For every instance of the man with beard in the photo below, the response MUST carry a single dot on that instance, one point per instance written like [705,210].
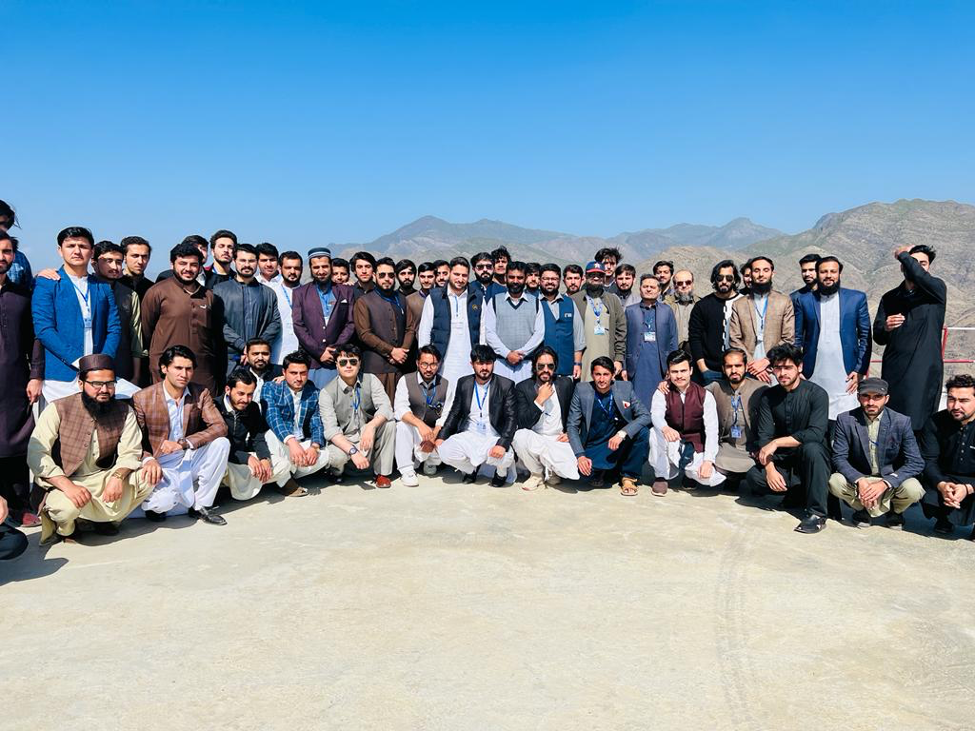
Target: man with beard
[481,421]
[623,285]
[419,408]
[663,273]
[451,321]
[484,268]
[737,400]
[130,355]
[762,320]
[572,278]
[947,445]
[250,309]
[181,311]
[563,323]
[500,265]
[809,275]
[406,274]
[604,326]
[322,315]
[709,322]
[909,323]
[651,337]
[385,328]
[363,268]
[284,286]
[608,258]
[682,300]
[441,273]
[20,271]
[876,459]
[259,364]
[248,461]
[137,252]
[85,453]
[340,271]
[425,281]
[791,421]
[184,440]
[833,328]
[222,245]
[532,279]
[543,407]
[513,325]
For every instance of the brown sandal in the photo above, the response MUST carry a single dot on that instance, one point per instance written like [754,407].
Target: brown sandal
[629,488]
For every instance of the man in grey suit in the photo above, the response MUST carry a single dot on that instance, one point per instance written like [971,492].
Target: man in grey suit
[357,419]
[608,428]
[876,459]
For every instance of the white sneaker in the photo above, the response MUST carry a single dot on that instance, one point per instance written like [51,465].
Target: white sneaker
[533,483]
[430,468]
[408,479]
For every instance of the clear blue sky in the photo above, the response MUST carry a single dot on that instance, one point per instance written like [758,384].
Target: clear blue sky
[338,122]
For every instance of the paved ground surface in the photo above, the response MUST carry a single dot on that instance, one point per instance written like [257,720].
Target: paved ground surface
[467,607]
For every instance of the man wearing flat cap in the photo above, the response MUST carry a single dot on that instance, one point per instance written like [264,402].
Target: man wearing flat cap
[85,452]
[876,459]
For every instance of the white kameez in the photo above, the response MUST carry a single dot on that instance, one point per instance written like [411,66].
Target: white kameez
[665,456]
[468,450]
[538,448]
[829,366]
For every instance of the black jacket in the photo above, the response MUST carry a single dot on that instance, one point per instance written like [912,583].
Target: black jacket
[502,408]
[528,412]
[245,431]
[707,325]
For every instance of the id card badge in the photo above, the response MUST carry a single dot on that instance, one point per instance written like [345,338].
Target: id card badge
[599,329]
[650,337]
[481,428]
[87,322]
[736,432]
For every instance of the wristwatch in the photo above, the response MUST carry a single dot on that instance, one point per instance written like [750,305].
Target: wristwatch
[353,450]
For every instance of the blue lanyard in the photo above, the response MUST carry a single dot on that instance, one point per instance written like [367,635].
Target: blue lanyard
[288,297]
[479,399]
[607,407]
[763,315]
[737,403]
[598,308]
[650,322]
[392,300]
[430,393]
[456,299]
[84,295]
[356,398]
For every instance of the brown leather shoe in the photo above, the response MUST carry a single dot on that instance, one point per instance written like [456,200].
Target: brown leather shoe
[292,489]
[382,481]
[659,488]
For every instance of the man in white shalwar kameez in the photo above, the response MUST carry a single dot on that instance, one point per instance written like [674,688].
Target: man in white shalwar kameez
[451,322]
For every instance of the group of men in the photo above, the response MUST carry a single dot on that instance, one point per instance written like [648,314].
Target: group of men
[126,395]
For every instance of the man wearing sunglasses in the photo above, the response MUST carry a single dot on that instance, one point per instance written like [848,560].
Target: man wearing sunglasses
[709,322]
[682,299]
[484,283]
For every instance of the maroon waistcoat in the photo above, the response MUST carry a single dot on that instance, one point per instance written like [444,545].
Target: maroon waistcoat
[686,418]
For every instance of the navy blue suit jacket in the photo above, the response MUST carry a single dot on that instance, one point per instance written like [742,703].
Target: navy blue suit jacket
[897,452]
[856,329]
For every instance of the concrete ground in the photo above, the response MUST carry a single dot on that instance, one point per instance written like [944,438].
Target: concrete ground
[451,606]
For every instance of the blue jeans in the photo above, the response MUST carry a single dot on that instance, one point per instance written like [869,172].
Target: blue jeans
[706,377]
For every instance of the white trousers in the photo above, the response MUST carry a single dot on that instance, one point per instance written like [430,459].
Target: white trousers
[514,373]
[664,457]
[282,467]
[407,449]
[545,455]
[190,478]
[242,483]
[466,451]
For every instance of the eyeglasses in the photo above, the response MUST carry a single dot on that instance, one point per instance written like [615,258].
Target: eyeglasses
[545,367]
[725,278]
[100,385]
[343,362]
[385,275]
[683,284]
[483,266]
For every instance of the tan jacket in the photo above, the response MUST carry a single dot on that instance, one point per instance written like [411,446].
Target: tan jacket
[779,323]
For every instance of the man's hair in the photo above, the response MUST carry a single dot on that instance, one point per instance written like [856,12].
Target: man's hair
[481,256]
[624,268]
[822,259]
[348,349]
[405,264]
[735,351]
[645,277]
[745,267]
[515,266]
[961,380]
[482,353]
[785,351]
[438,263]
[241,375]
[606,252]
[246,248]
[290,255]
[762,257]
[385,261]
[134,241]
[223,234]
[185,249]
[602,361]
[501,253]
[177,351]
[426,266]
[7,211]
[678,356]
[550,267]
[429,350]
[363,256]
[459,261]
[267,249]
[532,267]
[296,357]
[546,350]
[808,259]
[5,236]
[195,240]
[75,232]
[924,249]
[573,269]
[725,263]
[341,263]
[106,247]
[664,263]
[256,341]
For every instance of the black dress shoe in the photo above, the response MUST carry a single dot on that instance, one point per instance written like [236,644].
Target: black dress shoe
[206,515]
[155,517]
[894,520]
[813,523]
[106,529]
[498,480]
[861,519]
[470,478]
[943,526]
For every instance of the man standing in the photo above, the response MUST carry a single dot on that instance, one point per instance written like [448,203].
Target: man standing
[623,285]
[363,266]
[608,428]
[876,459]
[222,245]
[451,322]
[249,461]
[481,421]
[709,322]
[267,263]
[20,271]
[294,437]
[746,273]
[543,407]
[663,273]
[737,400]
[137,252]
[74,316]
[84,453]
[322,315]
[419,410]
[947,444]
[384,329]
[425,281]
[909,323]
[284,286]
[250,309]
[181,311]
[572,278]
[651,337]
[500,265]
[484,284]
[441,272]
[685,440]
[604,325]
[809,275]
[514,326]
[762,320]
[608,258]
[259,364]
[406,274]
[532,279]
[792,419]
[682,300]
[357,421]
[832,326]
[130,355]
[563,323]
[340,270]
[184,440]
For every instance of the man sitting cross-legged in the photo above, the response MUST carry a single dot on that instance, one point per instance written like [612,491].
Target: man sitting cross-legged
[249,461]
[481,421]
[357,420]
[608,428]
[84,454]
[419,409]
[184,440]
[876,458]
[543,406]
[294,435]
[685,439]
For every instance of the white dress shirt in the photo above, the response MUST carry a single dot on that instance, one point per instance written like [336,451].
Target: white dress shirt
[402,399]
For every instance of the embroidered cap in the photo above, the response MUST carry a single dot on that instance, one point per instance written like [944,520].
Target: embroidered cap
[319,251]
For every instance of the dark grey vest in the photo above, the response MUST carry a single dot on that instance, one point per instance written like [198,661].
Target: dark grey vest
[428,413]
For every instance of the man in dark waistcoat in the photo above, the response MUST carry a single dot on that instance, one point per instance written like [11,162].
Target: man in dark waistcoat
[420,413]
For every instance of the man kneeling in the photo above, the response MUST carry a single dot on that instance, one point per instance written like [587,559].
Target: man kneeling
[249,461]
[419,409]
[84,454]
[879,480]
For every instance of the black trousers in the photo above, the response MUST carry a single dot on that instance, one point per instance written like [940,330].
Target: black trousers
[15,483]
[806,471]
[12,542]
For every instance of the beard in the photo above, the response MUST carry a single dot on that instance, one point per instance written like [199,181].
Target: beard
[515,289]
[95,407]
[761,289]
[386,289]
[594,290]
[485,277]
[825,290]
[684,299]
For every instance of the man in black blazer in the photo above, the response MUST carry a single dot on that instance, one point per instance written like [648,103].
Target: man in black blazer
[543,405]
[481,421]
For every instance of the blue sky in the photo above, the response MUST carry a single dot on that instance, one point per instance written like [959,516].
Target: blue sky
[323,122]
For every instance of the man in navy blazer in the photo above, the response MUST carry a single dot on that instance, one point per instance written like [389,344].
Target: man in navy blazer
[74,316]
[876,459]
